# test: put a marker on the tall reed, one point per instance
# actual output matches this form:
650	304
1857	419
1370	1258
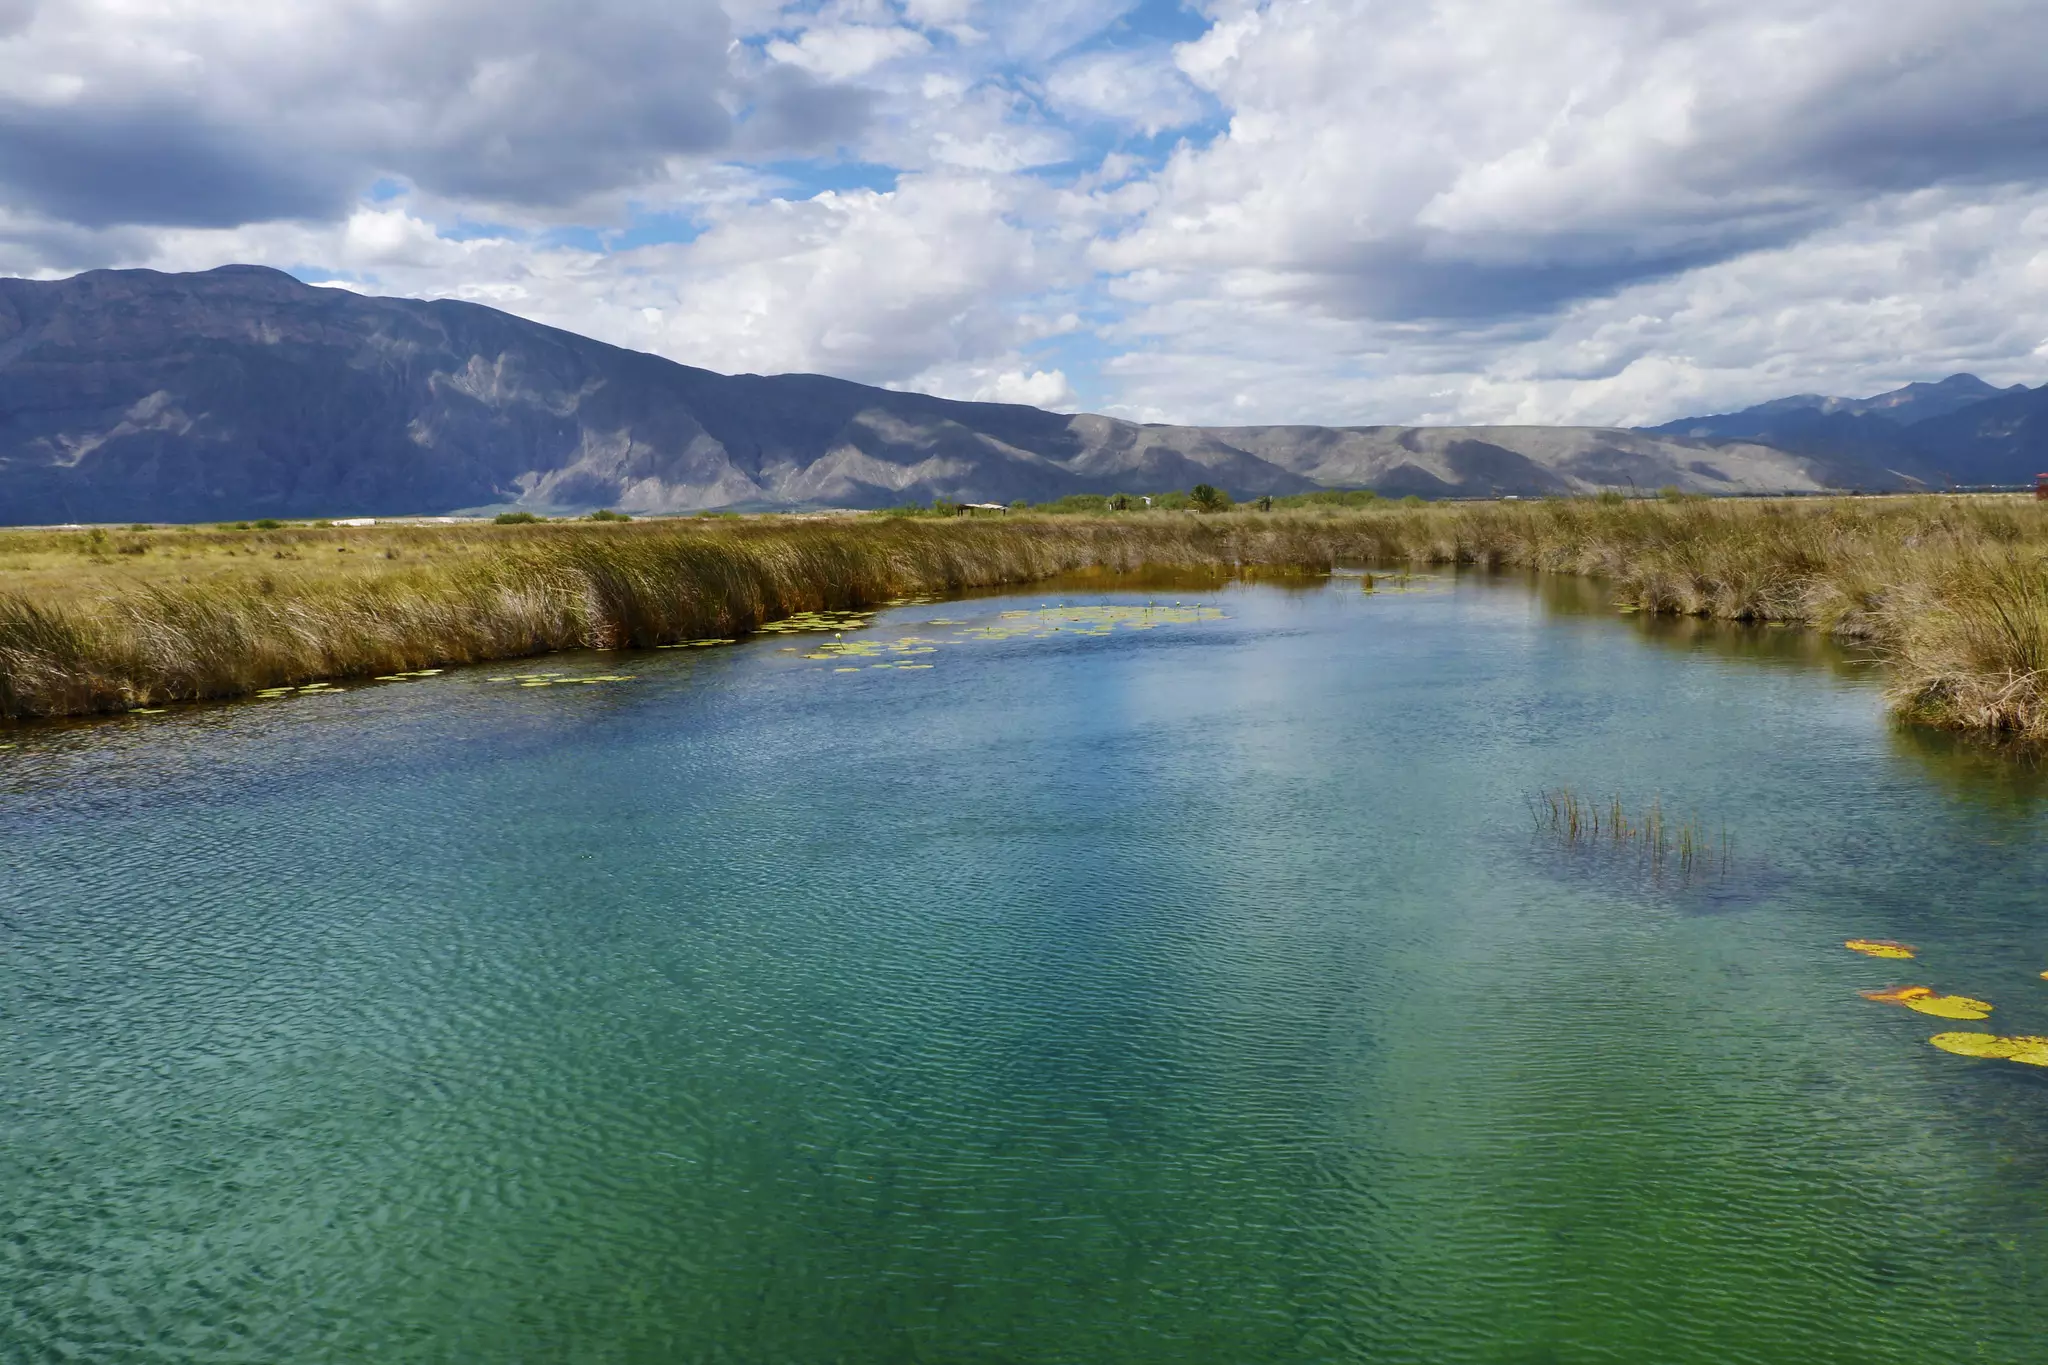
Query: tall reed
1953	592
1657	841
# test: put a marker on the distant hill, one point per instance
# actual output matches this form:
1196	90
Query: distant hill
242	392
1958	431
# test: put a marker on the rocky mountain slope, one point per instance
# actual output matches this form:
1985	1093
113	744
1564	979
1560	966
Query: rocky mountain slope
241	392
1959	431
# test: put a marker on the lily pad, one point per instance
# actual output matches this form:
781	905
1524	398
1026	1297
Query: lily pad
2028	1051
1879	947
1928	1001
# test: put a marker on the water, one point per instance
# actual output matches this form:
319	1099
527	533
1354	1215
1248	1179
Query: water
1195	994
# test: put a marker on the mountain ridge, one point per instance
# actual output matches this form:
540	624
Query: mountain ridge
242	392
1958	430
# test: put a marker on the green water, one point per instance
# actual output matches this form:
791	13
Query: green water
1201	993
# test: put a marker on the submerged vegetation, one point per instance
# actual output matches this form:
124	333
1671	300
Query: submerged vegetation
1659	842
1952	592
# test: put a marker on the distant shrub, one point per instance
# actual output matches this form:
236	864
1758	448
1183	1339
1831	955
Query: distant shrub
1412	500
142	526
1265	502
1209	498
1610	497
268	524
1081	503
516	519
1671	492
324	524
1330	497
607	514
1120	502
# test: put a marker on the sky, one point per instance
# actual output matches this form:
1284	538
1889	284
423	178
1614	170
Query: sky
1608	212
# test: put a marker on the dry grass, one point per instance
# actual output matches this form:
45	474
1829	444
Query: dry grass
1953	591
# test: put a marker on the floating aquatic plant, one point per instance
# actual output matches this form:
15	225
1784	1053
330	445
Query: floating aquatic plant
564	680
1880	947
1927	1001
2028	1051
1040	624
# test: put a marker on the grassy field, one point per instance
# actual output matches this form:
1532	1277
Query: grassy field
1952	591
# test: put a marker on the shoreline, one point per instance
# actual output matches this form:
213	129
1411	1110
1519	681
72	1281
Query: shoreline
1950	591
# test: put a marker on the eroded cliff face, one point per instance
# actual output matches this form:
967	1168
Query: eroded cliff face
241	392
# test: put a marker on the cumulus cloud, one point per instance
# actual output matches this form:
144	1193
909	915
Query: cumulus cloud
1911	286
240	110
842	51
1455	159
1138	89
1007	380
867	285
1375	210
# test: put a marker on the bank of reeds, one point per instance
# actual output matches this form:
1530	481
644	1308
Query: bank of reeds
1953	592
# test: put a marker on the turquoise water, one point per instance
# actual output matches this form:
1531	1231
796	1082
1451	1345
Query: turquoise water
1201	993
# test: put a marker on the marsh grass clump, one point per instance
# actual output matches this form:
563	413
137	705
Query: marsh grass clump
1657	841
1970	647
1950	592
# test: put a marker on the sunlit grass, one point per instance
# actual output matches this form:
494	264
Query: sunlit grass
1951	591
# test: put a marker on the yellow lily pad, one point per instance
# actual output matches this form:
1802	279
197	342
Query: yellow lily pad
1927	1001
1879	947
2026	1050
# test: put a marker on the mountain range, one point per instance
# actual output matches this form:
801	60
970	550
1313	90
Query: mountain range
1960	431
242	392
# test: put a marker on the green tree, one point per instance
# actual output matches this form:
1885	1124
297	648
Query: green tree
1208	498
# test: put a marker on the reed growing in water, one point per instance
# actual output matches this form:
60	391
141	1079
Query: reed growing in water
1659	842
1951	591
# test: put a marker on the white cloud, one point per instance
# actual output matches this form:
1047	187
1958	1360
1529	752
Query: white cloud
992	383
1419	209
1134	88
843	51
1914	286
865	285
